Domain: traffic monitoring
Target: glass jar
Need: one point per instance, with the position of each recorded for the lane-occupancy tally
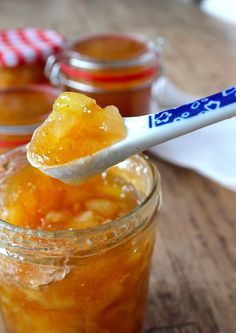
(89, 280)
(116, 69)
(23, 53)
(22, 110)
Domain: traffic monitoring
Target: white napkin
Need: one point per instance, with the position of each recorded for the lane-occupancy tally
(210, 151)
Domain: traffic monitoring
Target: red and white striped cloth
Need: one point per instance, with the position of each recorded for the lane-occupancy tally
(28, 46)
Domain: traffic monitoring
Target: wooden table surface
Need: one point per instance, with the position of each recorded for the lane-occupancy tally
(193, 282)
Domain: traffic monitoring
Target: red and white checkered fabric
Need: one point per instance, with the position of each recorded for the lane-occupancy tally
(28, 46)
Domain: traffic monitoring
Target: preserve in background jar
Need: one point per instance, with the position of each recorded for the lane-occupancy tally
(116, 69)
(22, 110)
(23, 53)
(89, 280)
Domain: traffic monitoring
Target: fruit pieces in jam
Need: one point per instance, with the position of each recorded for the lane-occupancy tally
(100, 293)
(24, 201)
(77, 127)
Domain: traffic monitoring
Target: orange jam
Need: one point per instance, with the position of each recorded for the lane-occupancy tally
(21, 110)
(24, 201)
(77, 127)
(22, 75)
(91, 278)
(117, 46)
(23, 53)
(114, 69)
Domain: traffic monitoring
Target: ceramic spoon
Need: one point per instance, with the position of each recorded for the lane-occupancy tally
(146, 131)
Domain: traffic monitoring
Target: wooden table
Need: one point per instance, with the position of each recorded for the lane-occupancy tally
(193, 283)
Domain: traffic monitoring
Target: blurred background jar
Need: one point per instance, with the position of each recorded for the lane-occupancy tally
(22, 110)
(113, 68)
(23, 53)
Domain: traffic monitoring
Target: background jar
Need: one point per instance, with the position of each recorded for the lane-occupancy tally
(116, 69)
(22, 110)
(91, 280)
(21, 75)
(23, 53)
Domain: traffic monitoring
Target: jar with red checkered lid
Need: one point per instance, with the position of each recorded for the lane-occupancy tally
(23, 53)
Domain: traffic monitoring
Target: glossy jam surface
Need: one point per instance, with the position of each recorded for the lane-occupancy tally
(24, 200)
(55, 284)
(117, 47)
(77, 127)
(24, 107)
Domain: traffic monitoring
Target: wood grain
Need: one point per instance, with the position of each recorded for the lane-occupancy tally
(193, 276)
(193, 282)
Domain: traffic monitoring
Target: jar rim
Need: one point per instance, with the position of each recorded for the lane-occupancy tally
(76, 233)
(79, 60)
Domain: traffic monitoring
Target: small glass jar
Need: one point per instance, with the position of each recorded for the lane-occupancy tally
(116, 69)
(23, 53)
(22, 110)
(89, 280)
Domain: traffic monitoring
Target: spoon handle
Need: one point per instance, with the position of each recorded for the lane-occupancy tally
(168, 124)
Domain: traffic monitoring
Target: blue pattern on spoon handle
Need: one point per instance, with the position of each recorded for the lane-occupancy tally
(212, 103)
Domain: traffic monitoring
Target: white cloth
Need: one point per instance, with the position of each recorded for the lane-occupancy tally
(210, 151)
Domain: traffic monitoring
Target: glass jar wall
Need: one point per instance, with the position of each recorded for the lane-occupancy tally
(21, 111)
(89, 280)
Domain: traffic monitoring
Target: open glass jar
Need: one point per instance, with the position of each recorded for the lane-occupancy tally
(22, 110)
(89, 280)
(116, 69)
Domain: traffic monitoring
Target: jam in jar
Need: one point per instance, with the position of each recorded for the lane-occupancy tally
(114, 69)
(23, 53)
(76, 259)
(21, 111)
